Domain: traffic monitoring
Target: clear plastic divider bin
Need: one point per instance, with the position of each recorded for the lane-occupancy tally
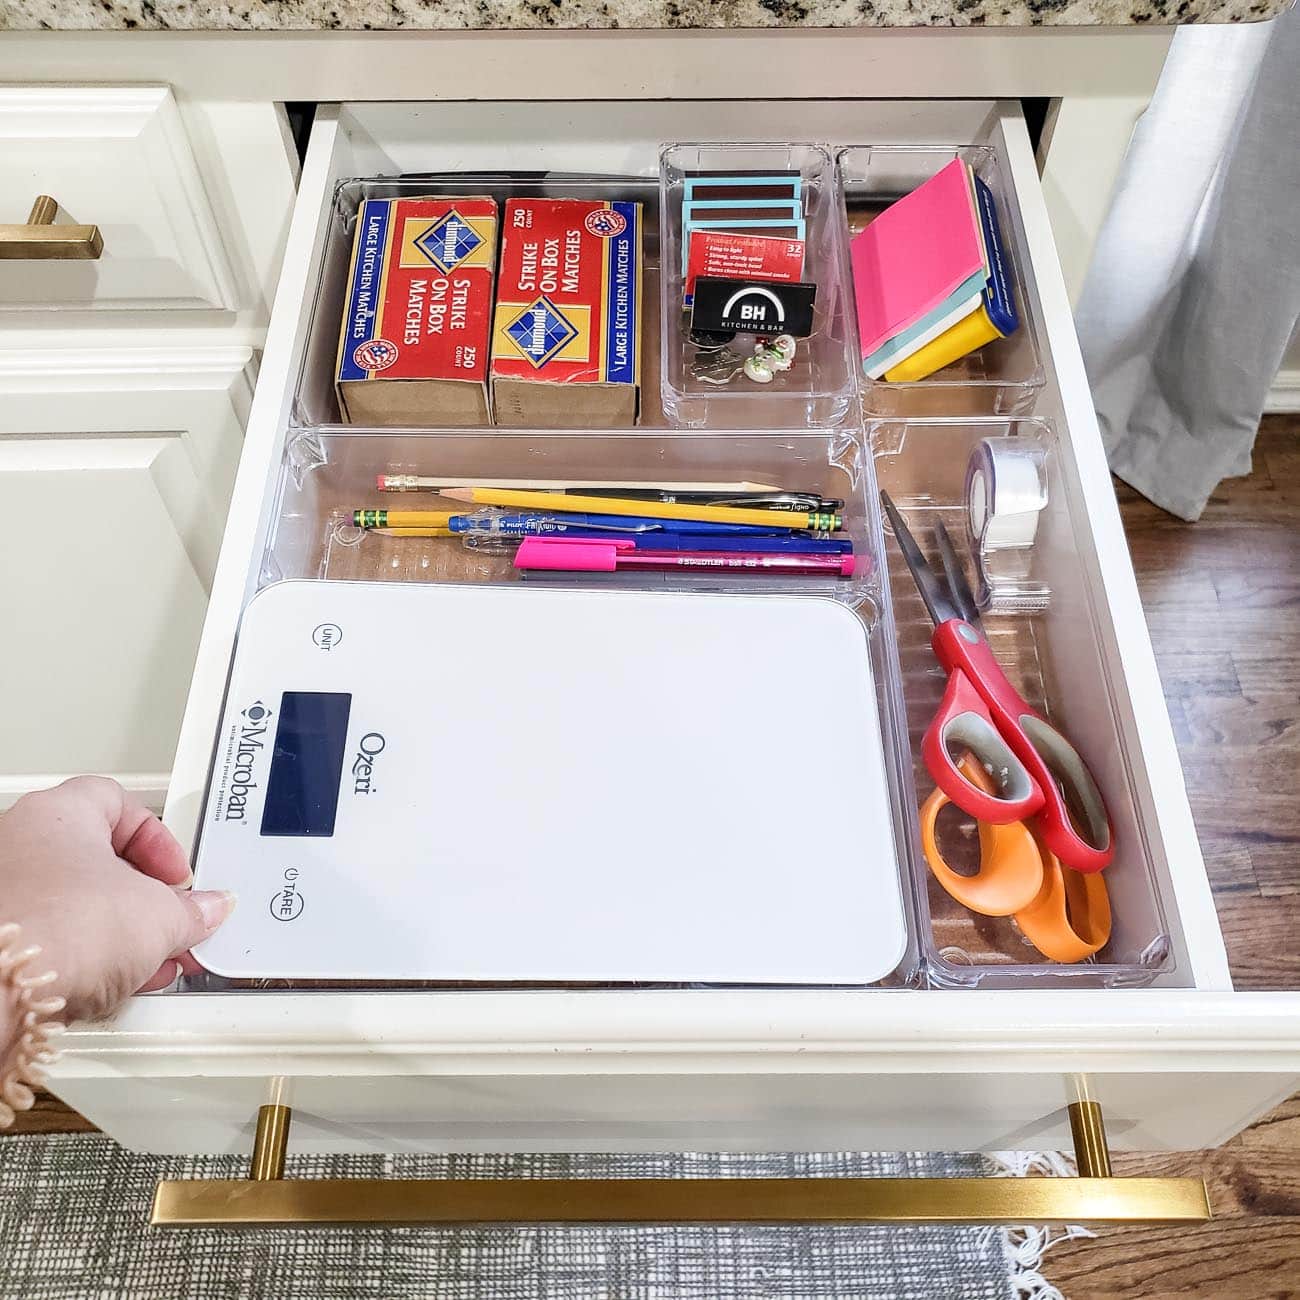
(1054, 658)
(316, 403)
(328, 473)
(820, 388)
(1004, 376)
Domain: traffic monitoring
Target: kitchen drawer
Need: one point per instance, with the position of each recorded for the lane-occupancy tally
(1184, 1062)
(139, 447)
(115, 157)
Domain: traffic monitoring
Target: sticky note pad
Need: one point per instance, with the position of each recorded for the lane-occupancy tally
(915, 255)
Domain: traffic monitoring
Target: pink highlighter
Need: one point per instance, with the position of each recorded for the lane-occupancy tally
(588, 555)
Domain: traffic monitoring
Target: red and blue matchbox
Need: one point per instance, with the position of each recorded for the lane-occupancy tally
(414, 343)
(566, 337)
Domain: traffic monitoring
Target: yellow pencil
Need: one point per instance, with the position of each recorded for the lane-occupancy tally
(817, 521)
(412, 532)
(403, 518)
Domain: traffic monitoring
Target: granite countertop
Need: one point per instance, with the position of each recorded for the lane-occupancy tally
(472, 15)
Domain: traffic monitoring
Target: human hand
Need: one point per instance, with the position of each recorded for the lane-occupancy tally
(96, 880)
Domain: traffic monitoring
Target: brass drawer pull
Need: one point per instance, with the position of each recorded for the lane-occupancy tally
(267, 1198)
(41, 238)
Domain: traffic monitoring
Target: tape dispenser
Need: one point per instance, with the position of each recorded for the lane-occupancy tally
(1006, 491)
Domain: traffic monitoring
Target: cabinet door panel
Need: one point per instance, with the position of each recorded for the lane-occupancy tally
(116, 157)
(113, 495)
(104, 599)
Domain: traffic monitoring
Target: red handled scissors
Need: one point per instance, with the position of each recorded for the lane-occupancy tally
(1039, 775)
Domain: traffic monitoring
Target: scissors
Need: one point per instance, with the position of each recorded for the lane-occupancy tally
(1064, 914)
(1039, 776)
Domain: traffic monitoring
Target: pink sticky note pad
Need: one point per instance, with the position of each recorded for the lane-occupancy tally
(914, 255)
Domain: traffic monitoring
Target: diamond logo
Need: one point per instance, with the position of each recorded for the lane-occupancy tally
(540, 331)
(448, 242)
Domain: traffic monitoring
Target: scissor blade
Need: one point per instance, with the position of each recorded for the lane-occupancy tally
(956, 575)
(937, 601)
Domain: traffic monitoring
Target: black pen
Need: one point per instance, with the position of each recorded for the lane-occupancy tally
(803, 501)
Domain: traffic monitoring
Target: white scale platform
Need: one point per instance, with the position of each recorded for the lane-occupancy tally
(503, 784)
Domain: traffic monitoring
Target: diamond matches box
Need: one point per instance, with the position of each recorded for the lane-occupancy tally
(414, 343)
(566, 336)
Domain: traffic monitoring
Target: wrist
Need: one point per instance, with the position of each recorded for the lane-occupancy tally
(26, 1024)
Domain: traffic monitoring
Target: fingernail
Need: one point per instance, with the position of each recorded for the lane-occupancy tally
(214, 906)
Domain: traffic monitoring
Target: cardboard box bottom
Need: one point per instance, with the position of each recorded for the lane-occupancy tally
(421, 403)
(536, 404)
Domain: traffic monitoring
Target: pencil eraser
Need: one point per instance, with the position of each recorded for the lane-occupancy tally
(381, 481)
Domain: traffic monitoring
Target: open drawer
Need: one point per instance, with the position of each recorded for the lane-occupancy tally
(1181, 1063)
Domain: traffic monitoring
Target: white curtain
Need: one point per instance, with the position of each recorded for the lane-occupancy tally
(1194, 287)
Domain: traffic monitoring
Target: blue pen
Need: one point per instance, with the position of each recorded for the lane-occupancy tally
(684, 542)
(494, 523)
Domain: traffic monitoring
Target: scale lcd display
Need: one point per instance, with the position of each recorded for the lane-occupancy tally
(302, 789)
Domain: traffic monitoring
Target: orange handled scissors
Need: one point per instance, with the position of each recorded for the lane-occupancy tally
(1039, 775)
(1063, 913)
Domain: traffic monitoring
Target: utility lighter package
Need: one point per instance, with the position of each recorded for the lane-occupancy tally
(414, 343)
(566, 339)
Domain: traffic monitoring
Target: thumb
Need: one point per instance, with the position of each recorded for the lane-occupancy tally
(198, 914)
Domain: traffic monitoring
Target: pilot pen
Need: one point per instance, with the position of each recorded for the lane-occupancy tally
(693, 542)
(652, 541)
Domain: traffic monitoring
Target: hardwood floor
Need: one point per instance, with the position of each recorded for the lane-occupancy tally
(1223, 604)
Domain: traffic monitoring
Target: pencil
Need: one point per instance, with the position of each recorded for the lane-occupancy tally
(817, 521)
(432, 483)
(403, 518)
(412, 532)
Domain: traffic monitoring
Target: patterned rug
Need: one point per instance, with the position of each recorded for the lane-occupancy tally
(73, 1211)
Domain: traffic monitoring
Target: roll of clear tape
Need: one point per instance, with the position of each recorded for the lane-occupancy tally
(1006, 489)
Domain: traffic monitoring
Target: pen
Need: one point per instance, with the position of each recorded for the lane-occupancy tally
(588, 556)
(767, 500)
(433, 483)
(653, 541)
(694, 542)
(813, 521)
(497, 523)
(675, 541)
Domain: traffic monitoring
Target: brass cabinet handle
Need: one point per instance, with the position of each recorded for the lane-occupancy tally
(41, 238)
(267, 1198)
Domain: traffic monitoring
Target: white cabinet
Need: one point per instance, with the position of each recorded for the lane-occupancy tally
(115, 470)
(116, 157)
(125, 383)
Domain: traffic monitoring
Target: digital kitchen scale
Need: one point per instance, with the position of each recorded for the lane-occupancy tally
(497, 783)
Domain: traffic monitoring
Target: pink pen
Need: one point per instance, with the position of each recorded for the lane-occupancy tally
(587, 555)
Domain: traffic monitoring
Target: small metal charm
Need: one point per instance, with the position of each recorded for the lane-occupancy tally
(719, 366)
